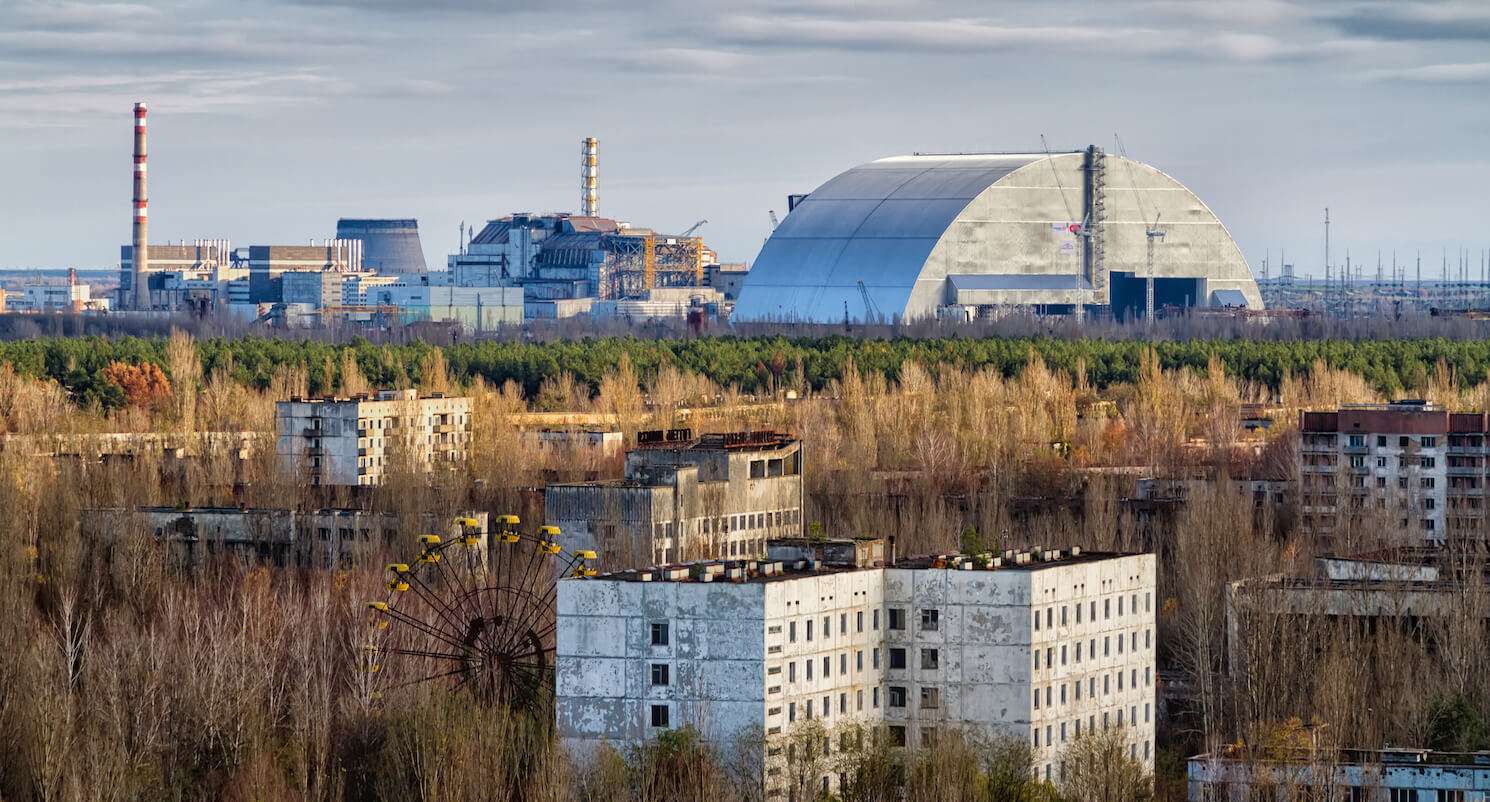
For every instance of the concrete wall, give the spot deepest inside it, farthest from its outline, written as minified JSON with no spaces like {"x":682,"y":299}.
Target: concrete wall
{"x":1214,"y":779}
{"x":714,"y":658}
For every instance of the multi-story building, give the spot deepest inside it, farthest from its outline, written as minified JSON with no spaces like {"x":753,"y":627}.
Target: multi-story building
{"x":268,"y":263}
{"x":1040,"y":646}
{"x":275,"y":537}
{"x":1409,"y":466}
{"x":354,"y":441}
{"x":686,"y":497}
{"x":1353,"y":775}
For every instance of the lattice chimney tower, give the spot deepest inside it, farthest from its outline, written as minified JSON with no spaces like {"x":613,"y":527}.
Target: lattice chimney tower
{"x":141,"y":243}
{"x":589,"y":178}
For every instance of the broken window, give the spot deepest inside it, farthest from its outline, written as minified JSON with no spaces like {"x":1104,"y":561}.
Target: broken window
{"x":897,"y":618}
{"x":659,"y":674}
{"x":897,"y":658}
{"x":897,"y":696}
{"x":931,"y":698}
{"x":930,"y":659}
{"x":931,"y":619}
{"x":659,"y":633}
{"x":659,"y":716}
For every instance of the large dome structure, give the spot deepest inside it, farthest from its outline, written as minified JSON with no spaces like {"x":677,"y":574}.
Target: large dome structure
{"x":912,"y":237}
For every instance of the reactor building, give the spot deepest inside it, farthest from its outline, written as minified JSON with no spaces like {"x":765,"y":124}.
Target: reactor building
{"x":971,"y":235}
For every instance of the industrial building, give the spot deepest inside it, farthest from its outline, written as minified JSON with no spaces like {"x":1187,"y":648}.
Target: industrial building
{"x":1367,"y":775}
{"x":42,"y":296}
{"x":390,"y":247}
{"x":970,"y":235}
{"x":356,"y":441}
{"x":1410,"y":465}
{"x":685,"y":497}
{"x":1041,"y":645}
{"x":272,"y":537}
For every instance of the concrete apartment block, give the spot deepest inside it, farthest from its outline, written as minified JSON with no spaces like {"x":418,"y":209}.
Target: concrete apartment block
{"x":825,"y":631}
{"x":1407,"y":465}
{"x":351,"y":441}
{"x":686,"y":497}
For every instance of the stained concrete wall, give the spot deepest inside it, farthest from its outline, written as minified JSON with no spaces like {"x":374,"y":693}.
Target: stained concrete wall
{"x":1214,"y":779}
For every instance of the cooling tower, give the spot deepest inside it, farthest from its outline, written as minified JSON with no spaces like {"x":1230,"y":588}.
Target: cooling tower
{"x":390,"y":247}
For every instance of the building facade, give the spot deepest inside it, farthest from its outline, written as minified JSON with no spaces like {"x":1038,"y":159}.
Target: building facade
{"x":354,"y":441}
{"x":1408,"y":465}
{"x":1039,"y":646}
{"x":1387,"y":775}
{"x":686,"y":497}
{"x":274,"y":537}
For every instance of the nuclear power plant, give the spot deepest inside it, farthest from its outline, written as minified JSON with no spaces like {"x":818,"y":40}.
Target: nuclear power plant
{"x":954,"y":237}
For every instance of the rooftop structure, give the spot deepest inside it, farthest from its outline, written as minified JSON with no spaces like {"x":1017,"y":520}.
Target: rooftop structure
{"x":390,"y":247}
{"x":686,"y":497}
{"x":267,"y":263}
{"x":1398,"y":775}
{"x":1410,"y":464}
{"x":910,"y":237}
{"x":355,"y":441}
{"x":1040,"y":645}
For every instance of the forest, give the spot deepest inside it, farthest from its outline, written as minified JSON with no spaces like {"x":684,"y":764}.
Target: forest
{"x":125,"y":678}
{"x":750,"y":364}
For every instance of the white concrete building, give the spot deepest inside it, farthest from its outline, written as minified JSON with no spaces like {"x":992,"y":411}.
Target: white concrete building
{"x":1040,"y":646}
{"x":1387,"y":775}
{"x":353,"y":441}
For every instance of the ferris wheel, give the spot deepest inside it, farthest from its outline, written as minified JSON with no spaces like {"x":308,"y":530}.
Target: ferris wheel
{"x":473,"y":613}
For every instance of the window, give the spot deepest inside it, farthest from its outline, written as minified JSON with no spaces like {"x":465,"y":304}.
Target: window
{"x":876,"y":619}
{"x":809,"y":629}
{"x":1037,"y":659}
{"x":791,"y":672}
{"x":827,"y":626}
{"x":859,"y":660}
{"x":659,"y":716}
{"x":859,"y":699}
{"x":930,"y":659}
{"x":1106,"y":609}
{"x":1356,"y":441}
{"x":875,"y":700}
{"x":859,"y":620}
{"x":1078,"y":614}
{"x":1037,"y":702}
{"x":1381,"y":441}
{"x":659,"y":674}
{"x":827,"y":664}
{"x":659,"y":633}
{"x":897,"y":618}
{"x":897,"y":658}
{"x":791,"y":632}
{"x":1450,"y":795}
{"x":1403,"y":795}
{"x":931,"y":620}
{"x":931,"y":698}
{"x":1037,"y":620}
{"x":1430,"y":442}
{"x":1427,"y":462}
{"x":1402,"y":442}
{"x":843,"y":623}
{"x":897,"y":696}
{"x":1063,"y":654}
{"x":808,"y":663}
{"x":1063,"y":615}
{"x":843,"y":663}
{"x":876,"y":655}
{"x":897,"y":735}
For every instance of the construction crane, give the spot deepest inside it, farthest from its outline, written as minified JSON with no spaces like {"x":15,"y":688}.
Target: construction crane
{"x":871,"y":311}
{"x":1150,"y":233}
{"x":693,"y":228}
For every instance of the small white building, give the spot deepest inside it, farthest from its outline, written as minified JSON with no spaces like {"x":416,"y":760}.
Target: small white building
{"x":1040,"y":645}
{"x":353,"y":441}
{"x":1387,"y":775}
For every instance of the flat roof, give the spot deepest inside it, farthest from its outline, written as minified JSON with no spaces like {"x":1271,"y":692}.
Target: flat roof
{"x":755,"y":570}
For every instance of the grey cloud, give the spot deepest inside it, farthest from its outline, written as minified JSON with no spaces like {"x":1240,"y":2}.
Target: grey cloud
{"x":1408,"y":21}
{"x":1465,"y":73}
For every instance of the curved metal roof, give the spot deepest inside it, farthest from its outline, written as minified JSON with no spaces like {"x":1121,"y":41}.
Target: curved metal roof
{"x":876,"y":223}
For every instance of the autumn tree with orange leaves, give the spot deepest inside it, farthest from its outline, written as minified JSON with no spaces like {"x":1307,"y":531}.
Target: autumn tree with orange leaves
{"x":144,"y":385}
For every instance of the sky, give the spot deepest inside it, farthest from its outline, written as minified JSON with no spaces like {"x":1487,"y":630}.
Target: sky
{"x":272,"y":118}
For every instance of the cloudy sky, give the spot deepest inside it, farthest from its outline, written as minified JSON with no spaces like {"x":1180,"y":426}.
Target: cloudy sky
{"x":271,"y":118}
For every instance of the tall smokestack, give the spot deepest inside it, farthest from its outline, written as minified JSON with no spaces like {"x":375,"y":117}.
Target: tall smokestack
{"x":141,"y":249}
{"x":589,"y":177}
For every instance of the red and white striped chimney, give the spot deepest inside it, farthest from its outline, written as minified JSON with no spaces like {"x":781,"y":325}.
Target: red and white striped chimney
{"x":141,"y":242}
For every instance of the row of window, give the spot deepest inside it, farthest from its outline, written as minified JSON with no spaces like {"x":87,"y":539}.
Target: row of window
{"x":1054,"y":730}
{"x":930,"y":622}
{"x":1268,"y":792}
{"x":1049,"y":613}
{"x":1091,"y":648}
{"x":1050,"y":699}
{"x":1403,"y":441}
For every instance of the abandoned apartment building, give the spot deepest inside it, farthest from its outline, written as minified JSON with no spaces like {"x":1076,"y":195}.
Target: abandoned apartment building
{"x":1408,"y":464}
{"x":358,"y":440}
{"x":1041,"y":645}
{"x":272,"y":537}
{"x":686,"y":497}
